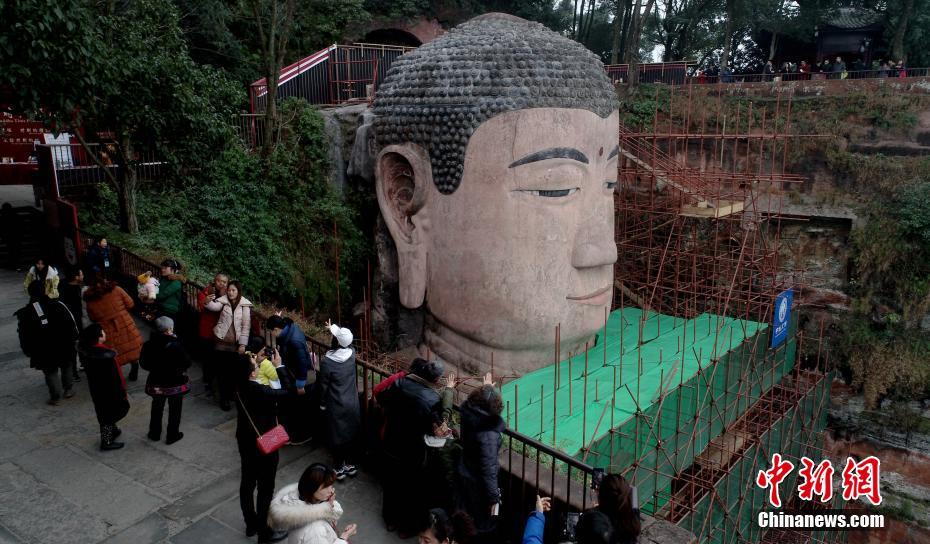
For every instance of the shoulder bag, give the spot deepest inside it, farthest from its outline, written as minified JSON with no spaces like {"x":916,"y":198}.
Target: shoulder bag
{"x":272,"y":440}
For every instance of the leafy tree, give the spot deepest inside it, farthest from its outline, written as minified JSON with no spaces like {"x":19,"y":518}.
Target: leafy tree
{"x":124,"y":69}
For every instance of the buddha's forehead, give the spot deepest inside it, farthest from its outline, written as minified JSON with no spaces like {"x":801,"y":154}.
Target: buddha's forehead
{"x":517,"y":133}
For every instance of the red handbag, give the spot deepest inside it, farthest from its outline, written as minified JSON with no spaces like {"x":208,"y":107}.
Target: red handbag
{"x":271,"y":441}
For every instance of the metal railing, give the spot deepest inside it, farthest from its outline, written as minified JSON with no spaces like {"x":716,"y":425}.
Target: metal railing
{"x":331,"y":76}
{"x":702,"y":79}
{"x":528,"y":466}
{"x":74,"y":165}
{"x":670,"y":73}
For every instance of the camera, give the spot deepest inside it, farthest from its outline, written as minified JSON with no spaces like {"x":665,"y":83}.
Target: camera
{"x":269,"y":352}
{"x":569,"y":527}
{"x":597,"y":476}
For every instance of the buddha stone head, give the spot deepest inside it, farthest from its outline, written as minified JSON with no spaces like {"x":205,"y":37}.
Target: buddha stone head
{"x":495,"y":178}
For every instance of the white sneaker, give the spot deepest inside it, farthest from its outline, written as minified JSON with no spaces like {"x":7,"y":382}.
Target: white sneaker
{"x":340,"y":474}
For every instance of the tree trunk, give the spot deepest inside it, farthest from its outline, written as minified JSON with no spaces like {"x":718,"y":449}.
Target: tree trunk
{"x":728,"y":34}
{"x":126,"y":188}
{"x":897,"y":42}
{"x":773,"y":46}
{"x":617,"y":29}
{"x":631,"y":34}
{"x":636,"y":29}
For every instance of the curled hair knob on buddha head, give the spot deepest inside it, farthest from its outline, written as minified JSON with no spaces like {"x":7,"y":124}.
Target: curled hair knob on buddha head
{"x":518,"y":64}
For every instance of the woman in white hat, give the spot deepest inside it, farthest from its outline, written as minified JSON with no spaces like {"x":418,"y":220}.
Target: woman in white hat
{"x":339,"y":399}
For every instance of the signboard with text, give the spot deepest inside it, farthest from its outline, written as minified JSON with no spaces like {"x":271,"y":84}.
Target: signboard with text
{"x":781,"y":320}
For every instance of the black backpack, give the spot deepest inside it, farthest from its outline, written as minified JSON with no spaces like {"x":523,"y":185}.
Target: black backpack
{"x":31,"y":326}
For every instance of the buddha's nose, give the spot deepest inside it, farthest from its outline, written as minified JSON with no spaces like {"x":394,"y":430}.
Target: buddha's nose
{"x":595,"y":245}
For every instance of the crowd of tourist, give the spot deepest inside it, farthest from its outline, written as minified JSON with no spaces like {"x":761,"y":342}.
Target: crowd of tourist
{"x":792,"y":70}
{"x":439,"y":477}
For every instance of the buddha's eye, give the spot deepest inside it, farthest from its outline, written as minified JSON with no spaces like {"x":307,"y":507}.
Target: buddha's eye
{"x":554,"y":193}
{"x":610,"y":185}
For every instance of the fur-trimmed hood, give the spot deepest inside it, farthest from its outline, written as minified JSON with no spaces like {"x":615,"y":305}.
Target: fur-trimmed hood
{"x":288,"y":512}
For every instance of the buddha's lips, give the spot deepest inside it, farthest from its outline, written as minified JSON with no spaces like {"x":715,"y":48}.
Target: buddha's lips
{"x":595,"y":298}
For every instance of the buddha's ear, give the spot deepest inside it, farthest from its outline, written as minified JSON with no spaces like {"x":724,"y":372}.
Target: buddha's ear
{"x":403,"y":176}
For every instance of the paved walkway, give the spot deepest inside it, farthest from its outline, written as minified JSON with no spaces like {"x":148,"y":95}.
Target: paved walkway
{"x":57,"y":487}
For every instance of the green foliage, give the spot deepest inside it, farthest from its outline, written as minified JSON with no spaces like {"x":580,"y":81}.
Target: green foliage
{"x":270,"y":225}
{"x":883,"y":360}
{"x":914,"y":211}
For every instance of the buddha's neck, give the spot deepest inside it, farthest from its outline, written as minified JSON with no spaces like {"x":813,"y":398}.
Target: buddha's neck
{"x":474,"y":358}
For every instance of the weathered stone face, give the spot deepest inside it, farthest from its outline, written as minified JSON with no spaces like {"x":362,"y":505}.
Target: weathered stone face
{"x":501,"y":211}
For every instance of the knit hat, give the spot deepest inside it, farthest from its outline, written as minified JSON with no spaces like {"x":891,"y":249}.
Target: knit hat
{"x":343,"y":335}
{"x":164,"y":324}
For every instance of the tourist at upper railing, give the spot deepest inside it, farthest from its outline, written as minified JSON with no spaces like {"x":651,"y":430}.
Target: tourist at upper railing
{"x":98,"y":260}
{"x":768,"y":71}
{"x":166,"y":362}
{"x":309,"y":509}
{"x":258,"y":409}
{"x":171,"y":290}
{"x":109,"y":305}
{"x":206,"y":322}
{"x":337,"y":386}
{"x":478,"y":469}
{"x":441,"y":528}
{"x":106,"y":384}
{"x":41,"y":271}
{"x":839,"y":69}
{"x":231,"y":336}
{"x":47,"y":332}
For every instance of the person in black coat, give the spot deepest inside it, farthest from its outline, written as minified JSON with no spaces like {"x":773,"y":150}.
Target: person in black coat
{"x":47,"y":332}
{"x":338,"y":388}
{"x":300,"y":409}
{"x":257,"y":407}
{"x":167,"y":363}
{"x":70,"y":293}
{"x":410,"y":405}
{"x":98,"y":260}
{"x":106,"y":383}
{"x":479,"y":466}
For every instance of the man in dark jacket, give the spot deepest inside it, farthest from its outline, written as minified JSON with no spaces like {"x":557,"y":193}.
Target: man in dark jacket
{"x":98,"y":260}
{"x":47,"y":332}
{"x":410,"y":404}
{"x":292,"y":346}
{"x":167,"y":363}
{"x":258,"y":407}
{"x":482,"y":426}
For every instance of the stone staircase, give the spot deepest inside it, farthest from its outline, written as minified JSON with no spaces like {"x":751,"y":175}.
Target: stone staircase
{"x":32,"y":232}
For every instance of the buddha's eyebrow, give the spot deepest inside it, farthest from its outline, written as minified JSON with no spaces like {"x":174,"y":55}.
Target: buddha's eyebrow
{"x":614,"y":153}
{"x":552,"y":153}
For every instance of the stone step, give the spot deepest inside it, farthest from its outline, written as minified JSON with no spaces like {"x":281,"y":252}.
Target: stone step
{"x":895,"y":148}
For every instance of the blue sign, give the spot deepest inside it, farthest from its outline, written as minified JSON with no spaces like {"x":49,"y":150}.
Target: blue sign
{"x":782,"y":319}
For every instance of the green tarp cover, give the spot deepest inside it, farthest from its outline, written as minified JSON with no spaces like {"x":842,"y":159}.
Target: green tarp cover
{"x":635,"y":359}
